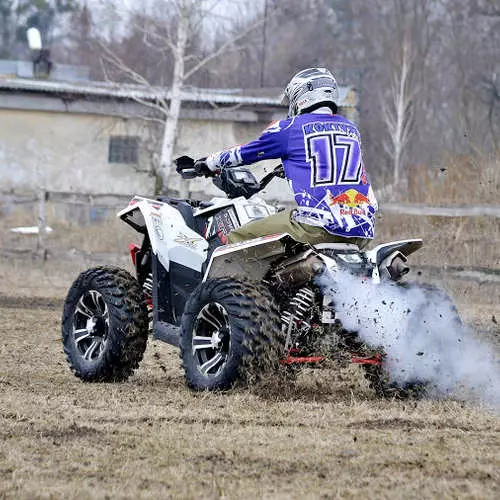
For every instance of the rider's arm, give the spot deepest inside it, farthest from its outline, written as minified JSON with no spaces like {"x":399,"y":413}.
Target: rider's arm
{"x":271,"y":144}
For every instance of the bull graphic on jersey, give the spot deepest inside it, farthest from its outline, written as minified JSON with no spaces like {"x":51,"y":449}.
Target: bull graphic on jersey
{"x":350,"y":210}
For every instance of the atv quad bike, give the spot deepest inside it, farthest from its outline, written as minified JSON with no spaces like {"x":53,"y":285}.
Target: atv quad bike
{"x":233,"y":309}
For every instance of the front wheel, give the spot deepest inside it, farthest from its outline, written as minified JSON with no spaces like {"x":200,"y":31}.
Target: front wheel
{"x":104,"y":325}
{"x":230,"y":330}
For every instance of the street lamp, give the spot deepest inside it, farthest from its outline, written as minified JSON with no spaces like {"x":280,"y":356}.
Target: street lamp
{"x":40,"y":56}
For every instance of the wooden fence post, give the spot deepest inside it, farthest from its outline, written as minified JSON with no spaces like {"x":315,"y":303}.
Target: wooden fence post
{"x":42,"y":223}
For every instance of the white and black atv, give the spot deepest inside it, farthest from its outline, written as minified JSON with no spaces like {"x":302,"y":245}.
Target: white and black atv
{"x":232,"y":309}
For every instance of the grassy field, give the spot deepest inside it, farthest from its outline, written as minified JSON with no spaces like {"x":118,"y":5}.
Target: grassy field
{"x":324,"y":436}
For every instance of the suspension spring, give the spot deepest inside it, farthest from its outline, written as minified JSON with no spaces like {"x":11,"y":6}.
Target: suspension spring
{"x":147,"y":288}
{"x":300,"y":304}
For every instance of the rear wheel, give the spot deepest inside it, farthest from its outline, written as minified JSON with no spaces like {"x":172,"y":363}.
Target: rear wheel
{"x":104,"y":325}
{"x":230,"y":331}
{"x":377,"y":375}
{"x":379,"y":380}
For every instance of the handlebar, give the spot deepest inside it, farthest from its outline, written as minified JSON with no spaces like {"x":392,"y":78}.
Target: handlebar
{"x":278,"y":171}
{"x":184,"y":166}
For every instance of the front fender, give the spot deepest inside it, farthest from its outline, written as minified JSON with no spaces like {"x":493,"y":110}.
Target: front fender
{"x":171,"y":239}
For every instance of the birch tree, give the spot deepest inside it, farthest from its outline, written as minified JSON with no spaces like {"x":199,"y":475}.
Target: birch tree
{"x":489,"y":13}
{"x":398,"y":109}
{"x":409,"y":33}
{"x":190,"y":20}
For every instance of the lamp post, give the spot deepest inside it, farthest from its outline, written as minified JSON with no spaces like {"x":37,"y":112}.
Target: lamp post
{"x":264,"y":42}
{"x":40,"y":56}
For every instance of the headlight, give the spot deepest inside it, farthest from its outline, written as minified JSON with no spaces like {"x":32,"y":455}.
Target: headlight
{"x":256,"y":211}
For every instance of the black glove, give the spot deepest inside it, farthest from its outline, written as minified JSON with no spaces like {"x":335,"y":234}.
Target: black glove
{"x":201,"y":168}
{"x":279,"y":171}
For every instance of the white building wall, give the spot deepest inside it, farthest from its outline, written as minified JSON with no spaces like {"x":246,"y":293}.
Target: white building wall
{"x":64,"y":152}
{"x":63,"y":147}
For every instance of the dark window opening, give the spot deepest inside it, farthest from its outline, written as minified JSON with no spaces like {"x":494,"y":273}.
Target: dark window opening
{"x":123,"y":149}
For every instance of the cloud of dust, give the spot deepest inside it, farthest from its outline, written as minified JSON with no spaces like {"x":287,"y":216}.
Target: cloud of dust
{"x":421,"y":333}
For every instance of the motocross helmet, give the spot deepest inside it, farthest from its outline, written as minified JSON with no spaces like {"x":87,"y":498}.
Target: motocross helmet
{"x":311,"y":89}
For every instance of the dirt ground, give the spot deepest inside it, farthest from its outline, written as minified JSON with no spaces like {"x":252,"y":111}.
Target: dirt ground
{"x":326,"y":436}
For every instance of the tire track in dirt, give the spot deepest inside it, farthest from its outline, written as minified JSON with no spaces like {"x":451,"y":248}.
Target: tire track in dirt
{"x":396,"y":422}
{"x":20,"y":302}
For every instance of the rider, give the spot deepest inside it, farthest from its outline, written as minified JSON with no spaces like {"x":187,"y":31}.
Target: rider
{"x":321,"y":155}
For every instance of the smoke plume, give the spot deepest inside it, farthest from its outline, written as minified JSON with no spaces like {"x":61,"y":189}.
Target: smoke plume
{"x":421,"y":332}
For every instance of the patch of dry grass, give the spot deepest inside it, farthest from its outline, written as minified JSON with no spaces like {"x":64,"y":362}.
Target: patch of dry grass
{"x":27,"y":276}
{"x":324,"y":436}
{"x":151,"y":437}
{"x":108,"y":236}
{"x":457,"y":241}
{"x":459,"y":180}
{"x":454,"y":241}
{"x":468,"y":241}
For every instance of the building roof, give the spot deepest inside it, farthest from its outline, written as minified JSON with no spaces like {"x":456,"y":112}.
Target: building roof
{"x":264,"y":97}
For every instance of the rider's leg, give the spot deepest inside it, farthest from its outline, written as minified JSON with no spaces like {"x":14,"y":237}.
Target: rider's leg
{"x":283,"y":223}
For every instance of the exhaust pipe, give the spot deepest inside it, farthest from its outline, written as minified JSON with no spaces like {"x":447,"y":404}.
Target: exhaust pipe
{"x":299,"y":270}
{"x":394,"y":267}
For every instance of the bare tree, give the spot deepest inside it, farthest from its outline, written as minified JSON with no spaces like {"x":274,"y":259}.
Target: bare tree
{"x":189,"y":19}
{"x":433,"y":62}
{"x":491,"y":93}
{"x":489,"y":12}
{"x":398,"y":110}
{"x":487,"y":7}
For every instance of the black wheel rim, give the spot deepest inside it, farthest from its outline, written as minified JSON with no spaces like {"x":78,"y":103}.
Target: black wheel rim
{"x":91,"y":325}
{"x":211,"y":342}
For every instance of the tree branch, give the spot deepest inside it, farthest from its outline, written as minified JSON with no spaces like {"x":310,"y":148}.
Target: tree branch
{"x":223,"y":48}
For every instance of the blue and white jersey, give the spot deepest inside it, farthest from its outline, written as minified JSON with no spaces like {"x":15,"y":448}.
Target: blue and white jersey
{"x":323,"y":164}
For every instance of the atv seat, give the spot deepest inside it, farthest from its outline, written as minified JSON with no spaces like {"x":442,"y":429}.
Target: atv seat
{"x":347,"y":247}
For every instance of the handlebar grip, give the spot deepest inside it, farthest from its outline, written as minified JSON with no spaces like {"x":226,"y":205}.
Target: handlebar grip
{"x":279,"y":171}
{"x":188,"y":173}
{"x":183,"y":163}
{"x":184,"y":166}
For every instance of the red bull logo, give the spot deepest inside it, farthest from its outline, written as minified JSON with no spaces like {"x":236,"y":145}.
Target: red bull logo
{"x":351,"y":202}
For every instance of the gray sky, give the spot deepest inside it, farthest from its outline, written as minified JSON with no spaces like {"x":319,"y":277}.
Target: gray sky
{"x":221,"y":11}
